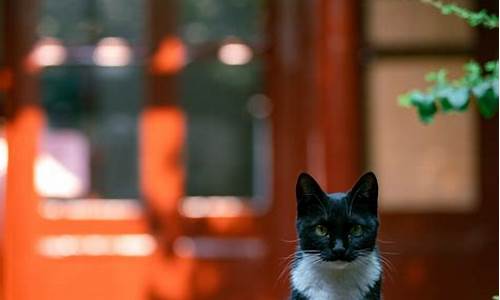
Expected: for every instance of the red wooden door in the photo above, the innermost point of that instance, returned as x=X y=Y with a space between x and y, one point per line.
x=221 y=249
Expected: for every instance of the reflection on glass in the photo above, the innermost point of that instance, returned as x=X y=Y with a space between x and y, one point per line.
x=48 y=52
x=112 y=52
x=62 y=167
x=235 y=54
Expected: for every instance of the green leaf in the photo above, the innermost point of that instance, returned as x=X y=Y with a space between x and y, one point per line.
x=405 y=100
x=425 y=105
x=473 y=67
x=480 y=89
x=438 y=77
x=492 y=67
x=454 y=98
x=426 y=113
x=419 y=98
x=488 y=103
x=494 y=86
x=472 y=73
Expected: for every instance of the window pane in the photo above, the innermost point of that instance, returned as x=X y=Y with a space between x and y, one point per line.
x=221 y=93
x=421 y=167
x=92 y=91
x=92 y=117
x=221 y=129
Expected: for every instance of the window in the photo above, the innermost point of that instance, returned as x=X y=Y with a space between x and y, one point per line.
x=422 y=168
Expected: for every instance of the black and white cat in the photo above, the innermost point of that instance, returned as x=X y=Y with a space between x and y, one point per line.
x=337 y=257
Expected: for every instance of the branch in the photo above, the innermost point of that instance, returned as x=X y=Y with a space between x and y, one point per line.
x=447 y=96
x=474 y=19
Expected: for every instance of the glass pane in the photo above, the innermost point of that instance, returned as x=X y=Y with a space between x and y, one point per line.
x=421 y=167
x=221 y=94
x=220 y=127
x=91 y=90
x=92 y=117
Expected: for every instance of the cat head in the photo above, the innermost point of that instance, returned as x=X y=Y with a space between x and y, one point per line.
x=338 y=227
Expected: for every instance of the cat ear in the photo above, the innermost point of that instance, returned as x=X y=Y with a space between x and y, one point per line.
x=364 y=194
x=307 y=188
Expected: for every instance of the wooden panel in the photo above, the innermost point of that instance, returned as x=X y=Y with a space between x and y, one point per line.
x=437 y=256
x=436 y=165
x=402 y=24
x=84 y=273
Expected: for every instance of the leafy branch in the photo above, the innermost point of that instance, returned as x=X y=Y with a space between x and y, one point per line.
x=474 y=19
x=478 y=84
x=447 y=95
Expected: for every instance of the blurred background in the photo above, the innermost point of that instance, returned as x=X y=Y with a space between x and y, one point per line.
x=149 y=149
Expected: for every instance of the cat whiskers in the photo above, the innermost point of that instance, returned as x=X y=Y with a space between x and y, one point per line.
x=385 y=241
x=385 y=259
x=291 y=259
x=315 y=255
x=288 y=262
x=387 y=262
x=296 y=241
x=387 y=265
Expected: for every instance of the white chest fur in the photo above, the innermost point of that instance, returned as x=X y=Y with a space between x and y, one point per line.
x=326 y=281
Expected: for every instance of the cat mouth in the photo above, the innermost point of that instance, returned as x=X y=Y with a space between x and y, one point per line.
x=338 y=258
x=338 y=264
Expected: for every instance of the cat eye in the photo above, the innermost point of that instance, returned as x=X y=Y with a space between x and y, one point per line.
x=356 y=230
x=321 y=230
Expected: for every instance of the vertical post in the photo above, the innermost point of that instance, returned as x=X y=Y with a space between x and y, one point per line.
x=23 y=126
x=284 y=85
x=161 y=82
x=486 y=50
x=162 y=136
x=337 y=77
x=321 y=73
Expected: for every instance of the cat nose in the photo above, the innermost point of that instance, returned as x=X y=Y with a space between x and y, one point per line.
x=338 y=248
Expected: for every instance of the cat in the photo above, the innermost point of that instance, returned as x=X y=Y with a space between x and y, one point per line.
x=337 y=256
